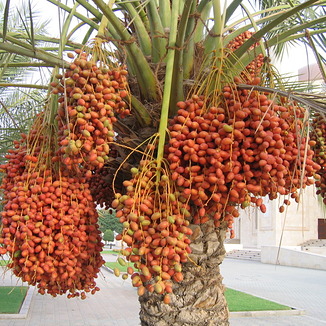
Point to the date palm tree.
(170, 47)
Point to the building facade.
(296, 225)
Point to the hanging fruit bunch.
(253, 69)
(91, 92)
(155, 219)
(318, 136)
(49, 221)
(50, 225)
(233, 153)
(199, 175)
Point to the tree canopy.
(170, 112)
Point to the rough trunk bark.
(199, 299)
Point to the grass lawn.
(11, 298)
(239, 301)
(115, 264)
(111, 252)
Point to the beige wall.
(296, 225)
(289, 257)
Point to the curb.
(267, 313)
(24, 309)
(107, 269)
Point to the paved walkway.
(117, 304)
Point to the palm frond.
(5, 18)
(17, 114)
(308, 14)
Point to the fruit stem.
(101, 32)
(167, 83)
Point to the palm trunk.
(199, 299)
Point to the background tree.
(108, 236)
(192, 62)
(108, 220)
